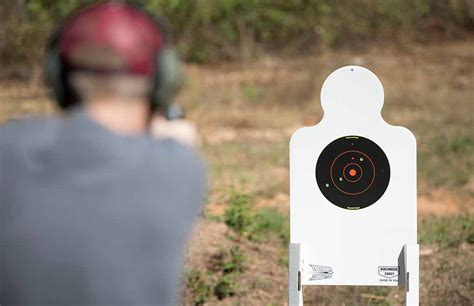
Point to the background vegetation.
(211, 30)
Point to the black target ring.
(352, 172)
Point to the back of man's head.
(111, 53)
(111, 37)
(107, 51)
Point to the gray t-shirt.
(91, 217)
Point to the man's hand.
(181, 130)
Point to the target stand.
(353, 215)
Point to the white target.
(352, 191)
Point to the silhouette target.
(352, 172)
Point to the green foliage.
(381, 291)
(221, 280)
(470, 237)
(26, 25)
(462, 144)
(447, 160)
(446, 231)
(267, 222)
(256, 226)
(238, 215)
(237, 260)
(227, 29)
(199, 286)
(252, 93)
(226, 286)
(232, 261)
(229, 265)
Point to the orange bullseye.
(352, 172)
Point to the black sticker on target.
(352, 172)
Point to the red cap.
(111, 36)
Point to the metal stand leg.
(295, 288)
(412, 277)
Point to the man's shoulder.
(19, 132)
(27, 126)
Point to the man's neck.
(121, 117)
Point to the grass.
(199, 285)
(447, 160)
(250, 165)
(238, 215)
(447, 231)
(221, 278)
(258, 226)
(229, 261)
(226, 286)
(267, 222)
(380, 303)
(252, 93)
(439, 113)
(462, 144)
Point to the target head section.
(352, 89)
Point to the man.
(93, 209)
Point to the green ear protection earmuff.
(166, 78)
(166, 83)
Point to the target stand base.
(408, 278)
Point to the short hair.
(110, 83)
(90, 85)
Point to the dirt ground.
(246, 113)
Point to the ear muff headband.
(166, 77)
